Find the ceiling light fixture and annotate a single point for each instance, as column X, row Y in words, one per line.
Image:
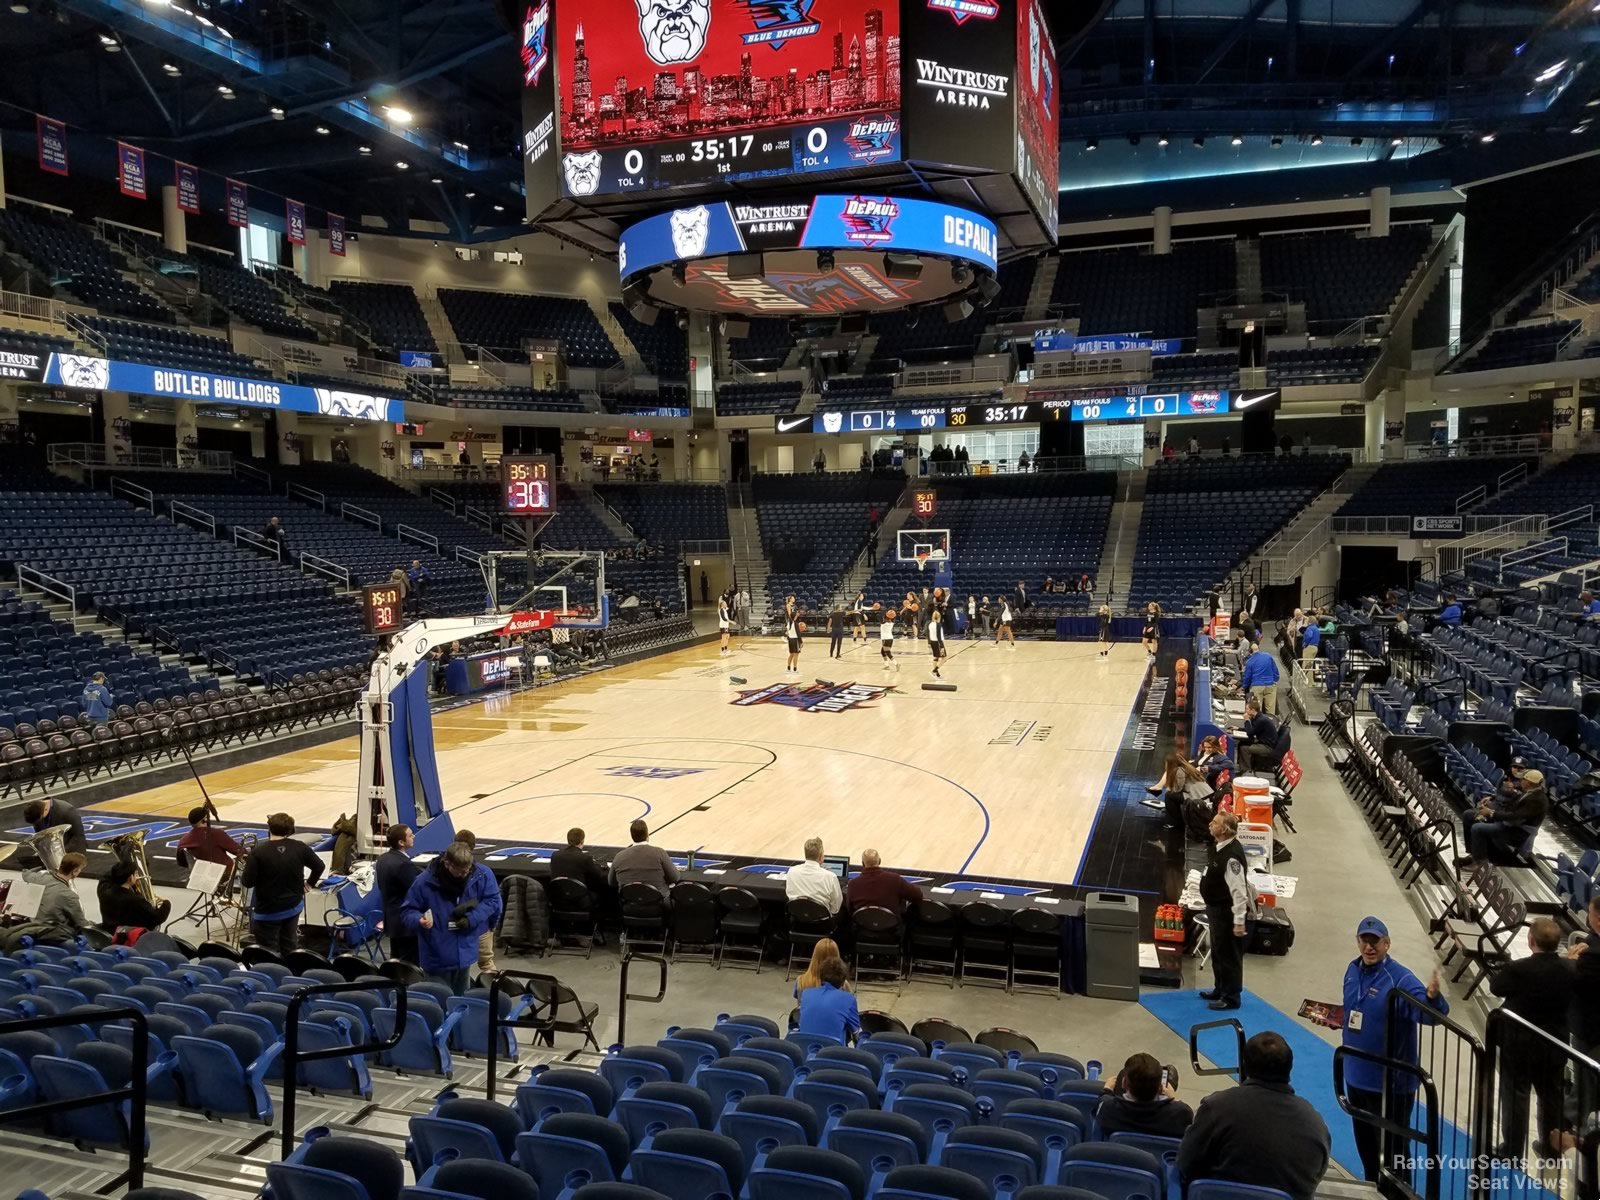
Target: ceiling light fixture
column 225, row 91
column 107, row 40
column 1092, row 144
column 1164, row 139
column 400, row 116
column 460, row 145
column 1487, row 138
column 1397, row 141
column 1550, row 72
column 324, row 130
column 172, row 69
column 1316, row 139
column 277, row 113
column 1238, row 139
column 402, row 165
column 499, row 208
column 20, row 7
column 437, row 179
column 364, row 149
column 470, row 195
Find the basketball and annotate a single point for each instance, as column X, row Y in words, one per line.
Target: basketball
column 890, row 614
column 800, row 625
column 876, row 606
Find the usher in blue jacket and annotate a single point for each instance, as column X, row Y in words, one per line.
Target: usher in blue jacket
column 1366, row 992
column 442, row 948
column 1259, row 671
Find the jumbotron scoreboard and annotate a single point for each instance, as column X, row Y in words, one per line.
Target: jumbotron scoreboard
column 634, row 106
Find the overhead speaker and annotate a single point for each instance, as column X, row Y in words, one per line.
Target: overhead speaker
column 957, row 311
column 734, row 327
column 902, row 266
column 746, row 266
column 988, row 287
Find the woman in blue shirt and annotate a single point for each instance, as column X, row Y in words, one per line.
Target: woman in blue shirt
column 829, row 1008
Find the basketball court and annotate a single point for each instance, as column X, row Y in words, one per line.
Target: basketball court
column 1000, row 778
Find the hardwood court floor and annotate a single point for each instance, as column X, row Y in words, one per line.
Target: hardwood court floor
column 1001, row 778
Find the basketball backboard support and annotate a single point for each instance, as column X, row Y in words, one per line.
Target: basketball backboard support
column 922, row 546
column 571, row 583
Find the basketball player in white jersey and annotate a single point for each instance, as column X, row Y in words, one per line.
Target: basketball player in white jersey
column 791, row 632
column 859, row 619
column 1003, row 629
column 936, row 617
column 724, row 623
column 886, row 641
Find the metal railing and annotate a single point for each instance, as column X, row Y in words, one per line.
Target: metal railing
column 255, row 540
column 136, row 1093
column 299, row 490
column 476, row 516
column 323, row 566
column 293, row 1056
column 48, row 584
column 408, row 533
column 195, row 516
column 467, row 554
column 444, row 500
column 158, row 458
column 1468, row 499
column 244, row 470
column 1527, row 554
column 1491, row 446
column 354, row 512
column 33, row 308
column 140, row 495
column 624, row 995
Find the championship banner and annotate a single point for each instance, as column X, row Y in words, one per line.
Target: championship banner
column 296, row 211
column 130, row 171
column 336, row 234
column 52, row 136
column 187, row 178
column 238, row 204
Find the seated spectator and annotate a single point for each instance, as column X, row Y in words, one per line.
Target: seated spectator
column 1267, row 741
column 122, row 901
column 1185, row 785
column 1212, row 759
column 811, row 977
column 572, row 861
column 1501, row 839
column 829, row 1008
column 877, row 888
column 642, row 862
column 1144, row 1099
column 1260, row 1132
column 1450, row 614
column 59, row 907
column 810, row 880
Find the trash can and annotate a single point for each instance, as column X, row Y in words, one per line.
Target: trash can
column 1111, row 945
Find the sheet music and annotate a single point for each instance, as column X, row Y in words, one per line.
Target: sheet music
column 24, row 898
column 206, row 877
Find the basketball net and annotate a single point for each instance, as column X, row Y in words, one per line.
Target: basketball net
column 922, row 562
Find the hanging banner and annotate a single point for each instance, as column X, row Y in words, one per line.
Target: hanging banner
column 296, row 226
column 52, row 145
column 336, row 234
column 130, row 170
column 188, row 181
column 238, row 204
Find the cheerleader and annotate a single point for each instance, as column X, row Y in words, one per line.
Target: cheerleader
column 793, row 627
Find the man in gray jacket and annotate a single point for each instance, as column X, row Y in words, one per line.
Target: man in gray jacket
column 59, row 906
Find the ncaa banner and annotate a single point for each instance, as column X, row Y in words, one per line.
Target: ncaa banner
column 188, row 180
column 336, row 234
column 130, row 171
column 52, row 136
column 238, row 204
column 296, row 211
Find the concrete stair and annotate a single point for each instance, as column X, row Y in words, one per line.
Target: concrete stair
column 749, row 562
column 1114, row 575
column 1281, row 557
column 1044, row 282
column 444, row 335
column 619, row 339
column 1247, row 269
column 608, row 517
column 855, row 578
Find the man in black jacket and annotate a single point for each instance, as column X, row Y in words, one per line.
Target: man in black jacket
column 395, row 874
column 43, row 814
column 1540, row 990
column 572, row 861
column 1501, row 839
column 1260, row 1132
column 1585, row 956
column 1144, row 1100
column 1226, row 891
column 278, row 871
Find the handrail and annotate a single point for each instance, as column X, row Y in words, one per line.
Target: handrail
column 478, row 517
column 624, row 995
column 250, row 471
column 444, row 499
column 420, row 537
column 293, row 1056
column 48, row 584
column 1386, row 1125
column 1467, row 499
column 468, row 554
column 141, row 494
column 365, row 515
column 259, row 542
column 324, row 566
column 1509, row 479
column 311, row 494
column 189, row 512
column 136, row 1093
column 1584, row 512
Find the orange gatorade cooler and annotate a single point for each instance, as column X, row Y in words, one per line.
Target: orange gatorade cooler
column 1252, row 800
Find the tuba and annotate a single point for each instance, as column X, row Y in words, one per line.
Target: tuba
column 50, row 845
column 130, row 848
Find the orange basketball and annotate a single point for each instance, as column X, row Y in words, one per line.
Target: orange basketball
column 800, row 625
column 876, row 607
column 1182, row 668
column 890, row 614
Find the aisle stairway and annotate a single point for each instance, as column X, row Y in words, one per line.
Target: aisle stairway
column 1115, row 572
column 750, row 560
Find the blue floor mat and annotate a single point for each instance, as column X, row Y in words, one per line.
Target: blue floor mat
column 1313, row 1057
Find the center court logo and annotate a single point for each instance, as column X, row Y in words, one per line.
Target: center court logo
column 869, row 219
column 816, row 697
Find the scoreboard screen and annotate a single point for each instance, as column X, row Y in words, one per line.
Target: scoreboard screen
column 692, row 92
column 1129, row 408
column 528, row 485
column 925, row 504
column 382, row 608
column 909, row 418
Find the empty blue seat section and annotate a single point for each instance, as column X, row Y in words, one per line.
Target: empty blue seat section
column 766, row 345
column 1127, row 289
column 390, row 310
column 1516, row 346
column 758, row 398
column 76, row 263
column 1341, row 274
column 1320, row 364
column 1430, row 486
column 242, row 294
column 503, row 322
column 812, row 529
column 662, row 346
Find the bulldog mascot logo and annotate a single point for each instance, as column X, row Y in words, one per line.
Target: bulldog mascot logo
column 582, row 171
column 674, row 31
column 690, row 227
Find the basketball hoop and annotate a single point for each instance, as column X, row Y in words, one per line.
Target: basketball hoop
column 922, row 560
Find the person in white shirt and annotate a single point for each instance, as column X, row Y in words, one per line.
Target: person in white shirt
column 886, row 642
column 1003, row 629
column 810, row 880
column 744, row 608
column 936, row 635
column 724, row 623
column 792, row 628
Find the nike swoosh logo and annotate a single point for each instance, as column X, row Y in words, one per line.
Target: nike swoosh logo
column 786, row 426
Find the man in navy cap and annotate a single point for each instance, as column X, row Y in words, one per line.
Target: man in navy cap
column 1368, row 981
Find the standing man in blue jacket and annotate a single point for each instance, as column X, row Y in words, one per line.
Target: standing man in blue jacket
column 98, row 702
column 449, row 908
column 1310, row 640
column 1260, row 680
column 1368, row 980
